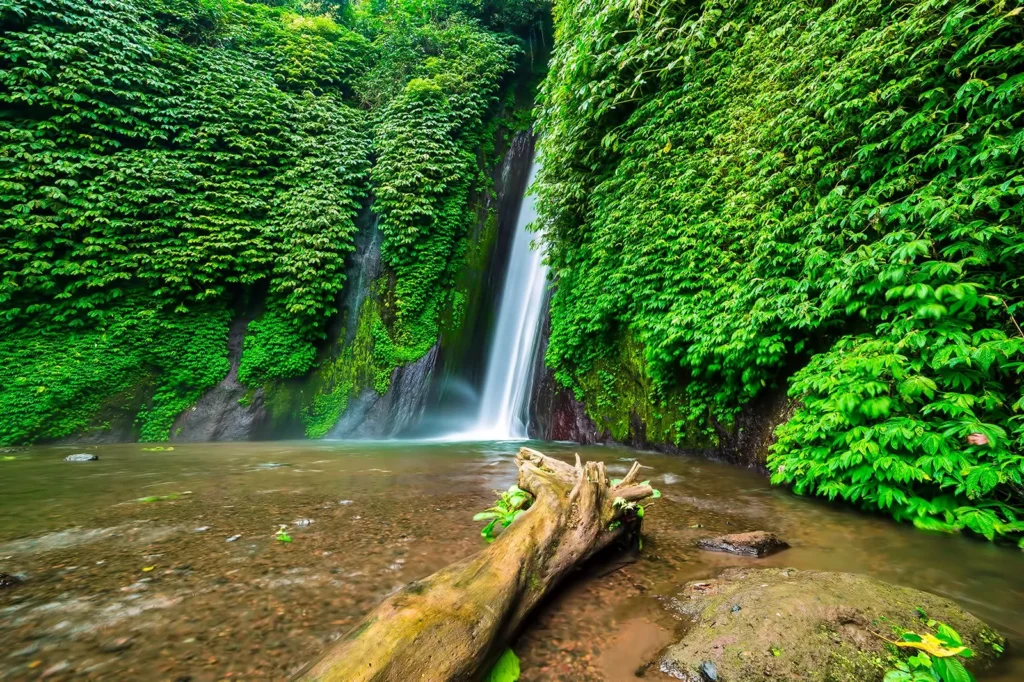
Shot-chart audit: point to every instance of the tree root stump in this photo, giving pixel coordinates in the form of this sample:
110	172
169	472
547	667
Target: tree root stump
454	624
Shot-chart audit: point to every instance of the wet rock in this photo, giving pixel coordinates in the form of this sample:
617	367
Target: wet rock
55	669
30	650
229	411
708	671
115	644
303	522
792	622
81	457
7	580
755	543
233	538
372	415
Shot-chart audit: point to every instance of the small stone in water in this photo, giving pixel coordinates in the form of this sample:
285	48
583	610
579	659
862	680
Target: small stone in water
7	580
303	522
27	651
735	608
233	538
708	671
81	457
201	529
115	644
755	543
344	501
54	669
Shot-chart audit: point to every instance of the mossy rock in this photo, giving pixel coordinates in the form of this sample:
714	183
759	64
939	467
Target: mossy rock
813	626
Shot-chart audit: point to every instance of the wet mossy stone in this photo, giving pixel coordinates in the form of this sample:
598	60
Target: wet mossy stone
813	626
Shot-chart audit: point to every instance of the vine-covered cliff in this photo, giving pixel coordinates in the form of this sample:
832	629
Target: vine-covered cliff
175	169
748	197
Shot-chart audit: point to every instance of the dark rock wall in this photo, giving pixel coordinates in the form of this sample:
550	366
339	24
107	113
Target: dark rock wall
555	413
229	411
372	415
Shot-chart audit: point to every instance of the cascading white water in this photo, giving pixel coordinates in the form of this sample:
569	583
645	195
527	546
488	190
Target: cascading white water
510	365
507	384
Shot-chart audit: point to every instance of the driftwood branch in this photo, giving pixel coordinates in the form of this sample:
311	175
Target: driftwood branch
454	624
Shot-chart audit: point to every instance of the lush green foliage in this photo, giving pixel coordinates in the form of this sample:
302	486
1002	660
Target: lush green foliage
936	658
55	380
158	158
164	160
428	136
745	187
506	669
506	509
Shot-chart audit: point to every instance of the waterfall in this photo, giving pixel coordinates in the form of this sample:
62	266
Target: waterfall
504	400
503	409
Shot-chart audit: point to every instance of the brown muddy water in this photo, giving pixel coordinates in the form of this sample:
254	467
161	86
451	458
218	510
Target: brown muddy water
195	587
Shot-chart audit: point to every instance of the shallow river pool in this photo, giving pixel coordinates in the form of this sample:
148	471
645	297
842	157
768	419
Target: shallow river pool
163	565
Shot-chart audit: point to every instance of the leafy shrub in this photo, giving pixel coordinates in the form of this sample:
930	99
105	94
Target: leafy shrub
936	658
745	187
506	509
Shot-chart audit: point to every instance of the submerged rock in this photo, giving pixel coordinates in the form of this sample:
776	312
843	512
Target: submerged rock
81	457
755	543
7	580
805	625
114	645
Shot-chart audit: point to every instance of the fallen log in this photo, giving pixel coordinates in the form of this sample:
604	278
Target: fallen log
454	624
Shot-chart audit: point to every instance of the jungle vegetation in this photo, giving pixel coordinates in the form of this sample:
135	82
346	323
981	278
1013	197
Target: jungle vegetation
824	198
168	165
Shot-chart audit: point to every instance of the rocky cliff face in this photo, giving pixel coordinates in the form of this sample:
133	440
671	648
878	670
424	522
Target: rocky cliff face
229	411
373	415
557	414
455	386
341	398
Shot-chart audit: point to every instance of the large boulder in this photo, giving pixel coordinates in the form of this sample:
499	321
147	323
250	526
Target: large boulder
812	626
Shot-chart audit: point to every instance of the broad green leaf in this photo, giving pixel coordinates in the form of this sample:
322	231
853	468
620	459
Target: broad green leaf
506	669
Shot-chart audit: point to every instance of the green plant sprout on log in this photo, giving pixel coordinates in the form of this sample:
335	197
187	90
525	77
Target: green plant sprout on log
507	508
